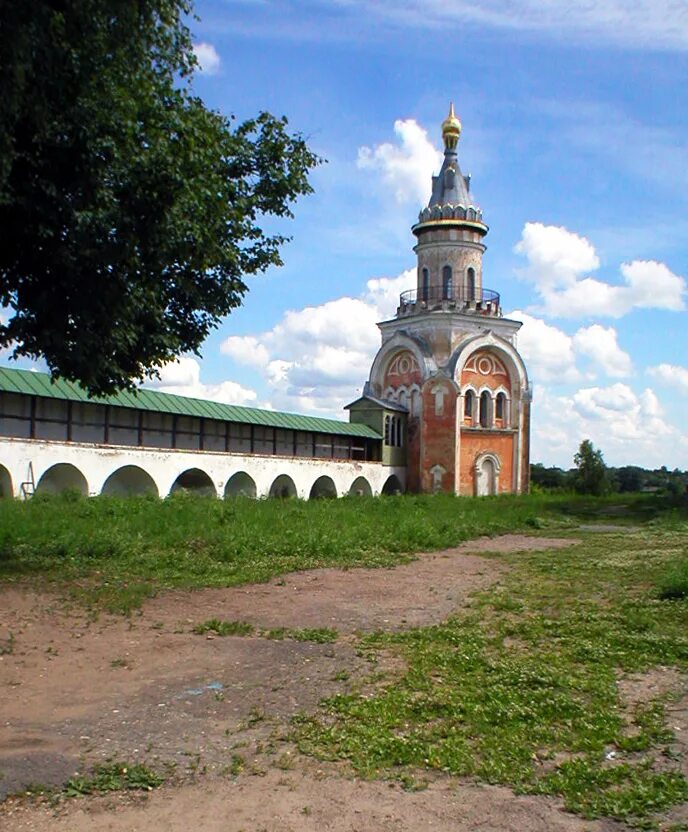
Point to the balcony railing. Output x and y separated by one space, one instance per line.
477 301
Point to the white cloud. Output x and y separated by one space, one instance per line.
601 346
315 359
183 378
672 375
208 58
644 24
557 259
407 167
629 428
547 351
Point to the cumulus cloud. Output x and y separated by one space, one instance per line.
547 351
600 345
208 58
630 428
315 359
672 375
183 378
558 260
406 167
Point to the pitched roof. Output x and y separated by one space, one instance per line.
384 403
40 384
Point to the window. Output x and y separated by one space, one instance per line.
468 403
500 406
387 430
485 415
425 284
447 283
470 283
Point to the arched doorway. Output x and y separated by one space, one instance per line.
283 487
62 477
486 475
194 481
241 485
5 483
360 487
130 480
323 487
392 486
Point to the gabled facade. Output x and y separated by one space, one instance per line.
450 358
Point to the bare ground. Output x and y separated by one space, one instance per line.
77 692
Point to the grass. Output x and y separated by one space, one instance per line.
224 628
521 689
319 635
112 553
674 583
113 776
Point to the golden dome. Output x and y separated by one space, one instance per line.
451 129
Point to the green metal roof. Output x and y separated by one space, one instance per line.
40 384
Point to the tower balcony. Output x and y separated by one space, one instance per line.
475 302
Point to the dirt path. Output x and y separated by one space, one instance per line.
76 692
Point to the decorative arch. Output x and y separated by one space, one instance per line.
194 481
62 477
392 486
470 283
323 487
504 350
129 480
241 484
282 487
360 487
6 490
447 283
397 343
487 469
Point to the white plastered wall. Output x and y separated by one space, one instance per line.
98 462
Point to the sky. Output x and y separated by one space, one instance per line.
575 132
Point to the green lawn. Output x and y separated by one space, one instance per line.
114 552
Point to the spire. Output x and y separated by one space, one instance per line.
451 129
450 186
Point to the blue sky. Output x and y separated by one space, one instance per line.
575 126
575 130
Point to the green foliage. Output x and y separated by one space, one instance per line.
114 776
590 476
320 635
674 582
521 688
131 213
224 628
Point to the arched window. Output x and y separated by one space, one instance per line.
447 282
470 283
468 402
398 437
485 406
425 284
387 430
500 406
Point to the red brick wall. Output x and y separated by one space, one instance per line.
438 440
403 371
476 442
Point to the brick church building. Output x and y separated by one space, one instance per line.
448 388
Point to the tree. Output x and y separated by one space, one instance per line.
130 213
590 473
547 477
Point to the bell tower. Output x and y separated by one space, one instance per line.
450 358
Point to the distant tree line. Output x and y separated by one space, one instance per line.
590 475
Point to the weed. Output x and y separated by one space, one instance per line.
113 776
224 628
119 663
673 584
7 648
320 635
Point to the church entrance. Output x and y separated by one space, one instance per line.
486 477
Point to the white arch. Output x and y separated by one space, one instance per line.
506 351
361 487
241 484
323 487
128 480
195 481
5 483
392 485
283 486
481 470
60 477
